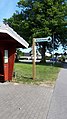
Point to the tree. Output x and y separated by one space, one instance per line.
18 23
40 18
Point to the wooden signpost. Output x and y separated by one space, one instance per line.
34 58
37 40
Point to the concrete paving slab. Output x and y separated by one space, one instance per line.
19 101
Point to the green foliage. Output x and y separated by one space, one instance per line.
18 54
62 58
40 18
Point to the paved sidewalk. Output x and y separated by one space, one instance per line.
18 101
58 106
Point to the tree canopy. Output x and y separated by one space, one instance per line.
40 18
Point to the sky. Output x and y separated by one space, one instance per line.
7 8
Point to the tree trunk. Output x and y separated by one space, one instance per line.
43 50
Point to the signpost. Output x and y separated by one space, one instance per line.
34 58
37 40
47 39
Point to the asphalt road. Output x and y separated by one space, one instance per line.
58 106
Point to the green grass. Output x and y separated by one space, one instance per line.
45 73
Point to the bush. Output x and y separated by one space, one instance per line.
62 59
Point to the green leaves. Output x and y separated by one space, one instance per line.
40 18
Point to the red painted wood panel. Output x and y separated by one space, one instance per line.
6 71
8 43
11 62
1 64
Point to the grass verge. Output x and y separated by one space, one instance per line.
45 73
